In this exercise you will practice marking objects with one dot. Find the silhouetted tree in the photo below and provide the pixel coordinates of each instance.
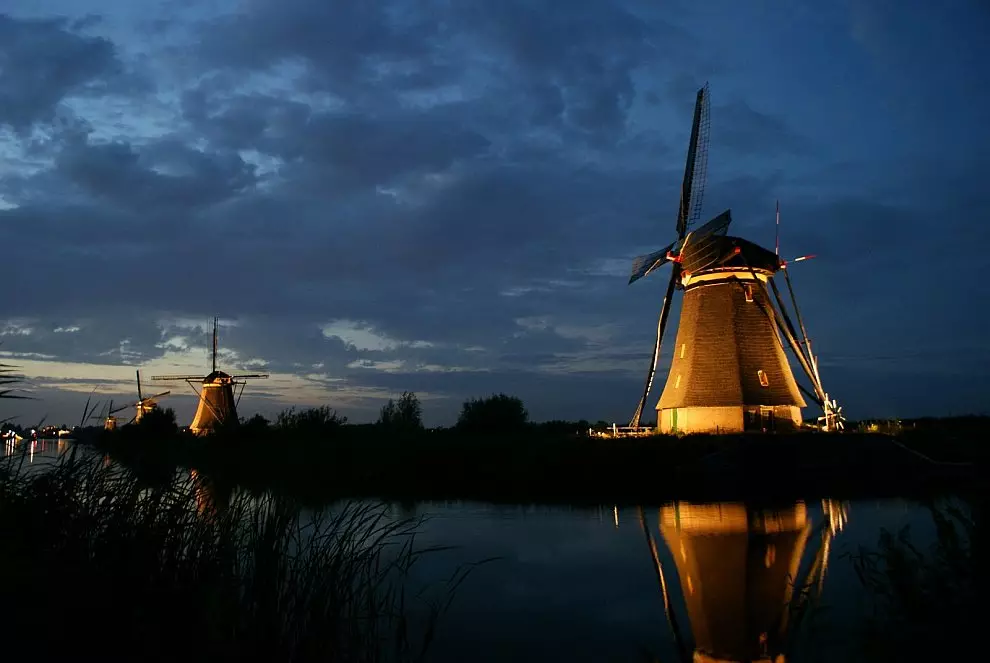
(314, 420)
(256, 423)
(404, 415)
(497, 413)
(158, 422)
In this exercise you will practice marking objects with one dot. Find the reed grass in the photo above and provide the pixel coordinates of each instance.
(98, 564)
(924, 604)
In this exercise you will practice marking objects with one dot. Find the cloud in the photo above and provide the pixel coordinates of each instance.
(442, 197)
(43, 61)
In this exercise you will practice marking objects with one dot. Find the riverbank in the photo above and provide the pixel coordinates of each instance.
(547, 466)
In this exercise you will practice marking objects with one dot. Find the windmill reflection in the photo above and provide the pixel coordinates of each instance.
(742, 574)
(212, 498)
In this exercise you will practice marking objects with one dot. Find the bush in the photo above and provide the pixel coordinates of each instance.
(405, 415)
(158, 422)
(497, 413)
(312, 421)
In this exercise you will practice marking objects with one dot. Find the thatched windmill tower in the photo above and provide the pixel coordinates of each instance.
(729, 371)
(743, 574)
(217, 398)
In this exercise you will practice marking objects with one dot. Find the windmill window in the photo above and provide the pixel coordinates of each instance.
(764, 382)
(683, 346)
(677, 383)
(748, 289)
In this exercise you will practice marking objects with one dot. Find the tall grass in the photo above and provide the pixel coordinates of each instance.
(95, 563)
(925, 603)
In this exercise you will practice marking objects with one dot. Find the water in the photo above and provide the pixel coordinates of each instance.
(625, 583)
(582, 585)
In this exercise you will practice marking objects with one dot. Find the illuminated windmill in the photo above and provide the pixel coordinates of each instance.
(142, 406)
(217, 398)
(729, 370)
(743, 575)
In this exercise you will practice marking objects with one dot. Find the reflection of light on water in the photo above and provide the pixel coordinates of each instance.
(732, 603)
(615, 513)
(34, 443)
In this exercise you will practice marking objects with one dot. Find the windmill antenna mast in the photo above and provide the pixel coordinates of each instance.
(216, 322)
(776, 237)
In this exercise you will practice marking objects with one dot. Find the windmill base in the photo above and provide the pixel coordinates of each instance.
(733, 419)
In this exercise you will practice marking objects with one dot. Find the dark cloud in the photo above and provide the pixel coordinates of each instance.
(743, 129)
(44, 61)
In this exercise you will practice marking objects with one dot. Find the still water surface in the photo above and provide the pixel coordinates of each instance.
(663, 582)
(580, 584)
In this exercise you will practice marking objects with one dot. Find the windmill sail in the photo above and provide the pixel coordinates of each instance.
(643, 265)
(697, 156)
(695, 172)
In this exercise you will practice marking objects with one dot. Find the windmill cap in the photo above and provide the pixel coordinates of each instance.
(722, 251)
(216, 376)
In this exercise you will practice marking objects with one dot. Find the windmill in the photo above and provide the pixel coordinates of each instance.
(729, 370)
(217, 398)
(110, 420)
(143, 405)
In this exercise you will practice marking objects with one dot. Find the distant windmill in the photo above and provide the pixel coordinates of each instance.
(217, 400)
(729, 370)
(145, 404)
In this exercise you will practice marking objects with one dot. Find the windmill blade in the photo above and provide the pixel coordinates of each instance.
(703, 247)
(138, 372)
(685, 210)
(701, 159)
(151, 398)
(661, 325)
(717, 226)
(252, 376)
(643, 265)
(176, 378)
(119, 409)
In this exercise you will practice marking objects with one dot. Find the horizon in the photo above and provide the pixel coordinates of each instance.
(447, 200)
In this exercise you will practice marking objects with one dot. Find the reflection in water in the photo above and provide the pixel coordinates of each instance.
(211, 498)
(741, 575)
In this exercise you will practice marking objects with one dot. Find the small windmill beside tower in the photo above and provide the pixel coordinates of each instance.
(219, 393)
(142, 406)
(729, 370)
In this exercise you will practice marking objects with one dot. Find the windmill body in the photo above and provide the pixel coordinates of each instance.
(729, 371)
(217, 405)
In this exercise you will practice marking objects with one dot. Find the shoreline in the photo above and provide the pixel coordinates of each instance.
(530, 467)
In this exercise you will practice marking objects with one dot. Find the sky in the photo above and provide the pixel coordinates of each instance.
(445, 197)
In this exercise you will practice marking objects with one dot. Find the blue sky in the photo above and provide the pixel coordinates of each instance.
(445, 197)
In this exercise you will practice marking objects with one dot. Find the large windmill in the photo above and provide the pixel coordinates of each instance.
(729, 370)
(217, 398)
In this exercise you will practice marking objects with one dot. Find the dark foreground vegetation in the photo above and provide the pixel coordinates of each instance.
(925, 600)
(99, 565)
(494, 454)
